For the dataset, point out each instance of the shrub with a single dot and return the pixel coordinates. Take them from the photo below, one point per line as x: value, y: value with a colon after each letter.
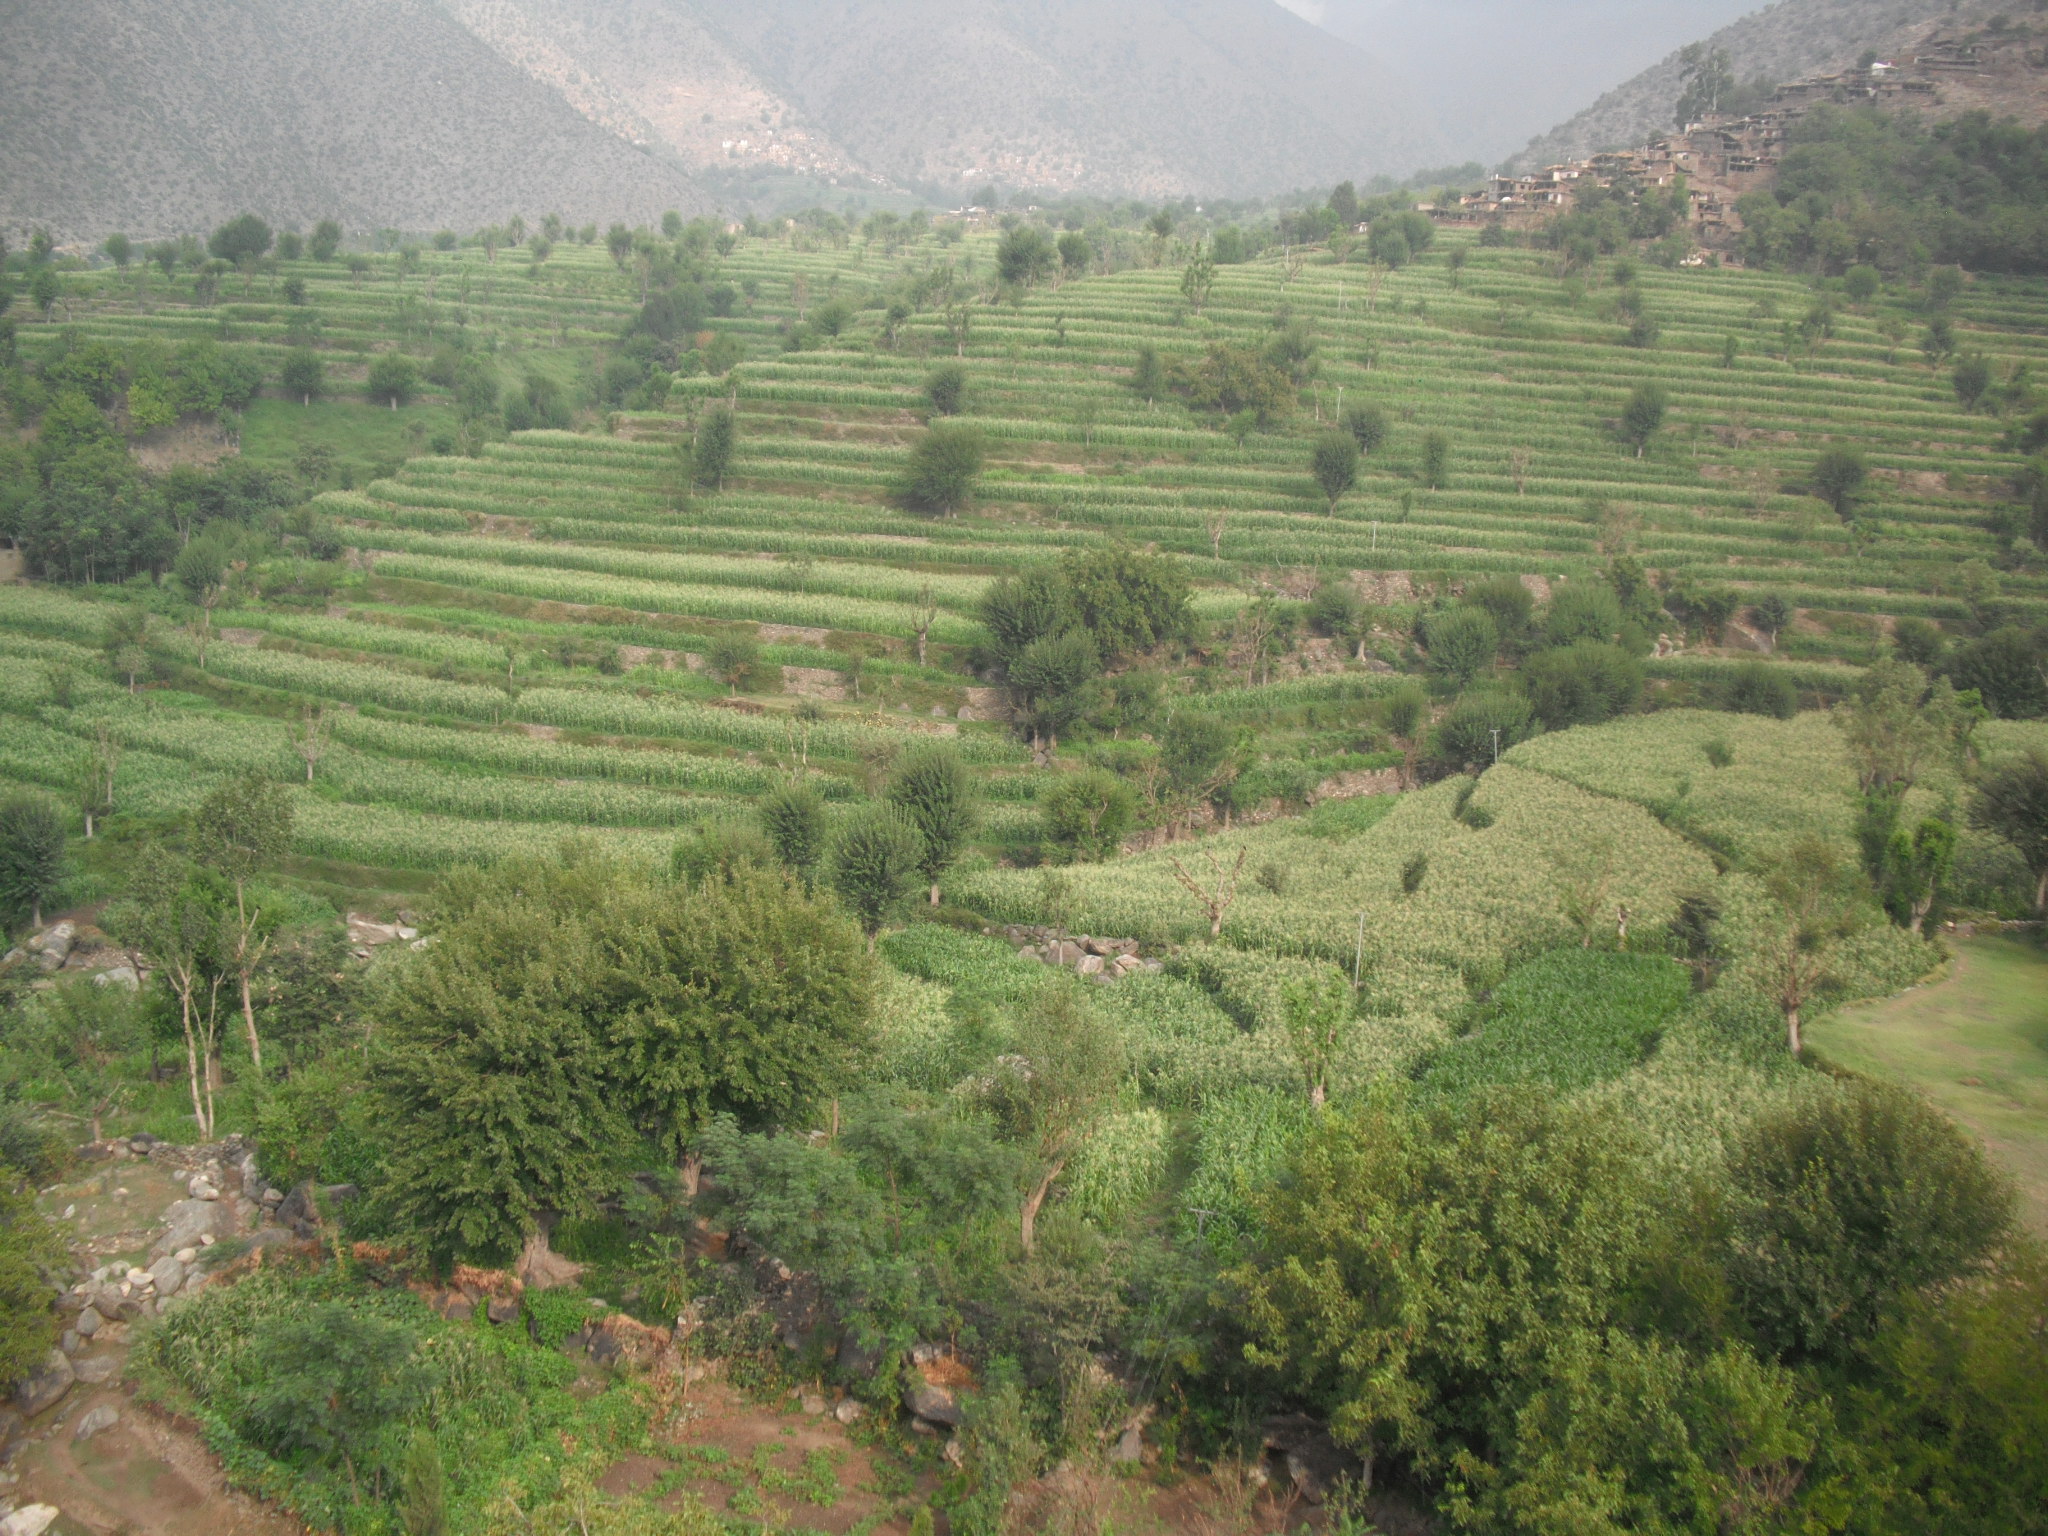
x: 1582, y: 684
x: 1088, y: 814
x: 1582, y: 611
x: 1758, y: 688
x: 1465, y: 736
x: 1462, y: 642
x: 947, y: 389
x: 1848, y: 1198
x: 943, y: 468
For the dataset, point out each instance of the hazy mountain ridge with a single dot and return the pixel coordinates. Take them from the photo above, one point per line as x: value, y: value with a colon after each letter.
x: 1790, y: 39
x: 168, y: 115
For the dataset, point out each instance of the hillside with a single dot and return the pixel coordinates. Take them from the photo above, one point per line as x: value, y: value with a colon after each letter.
x: 173, y: 115
x: 1793, y: 38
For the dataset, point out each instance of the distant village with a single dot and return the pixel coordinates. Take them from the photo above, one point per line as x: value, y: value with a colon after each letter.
x: 1721, y: 158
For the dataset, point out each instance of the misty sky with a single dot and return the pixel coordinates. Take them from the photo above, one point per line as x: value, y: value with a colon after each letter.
x: 1499, y: 72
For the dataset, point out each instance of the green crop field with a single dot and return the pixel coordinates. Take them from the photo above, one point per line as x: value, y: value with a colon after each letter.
x: 526, y: 623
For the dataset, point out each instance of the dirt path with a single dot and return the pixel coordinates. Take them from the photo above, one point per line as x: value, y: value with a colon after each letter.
x: 1976, y: 1043
x: 144, y: 1475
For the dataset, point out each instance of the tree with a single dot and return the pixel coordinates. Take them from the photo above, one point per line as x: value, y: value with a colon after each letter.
x: 1837, y: 477
x: 1334, y: 462
x: 303, y: 374
x: 126, y: 641
x: 1771, y: 613
x: 1462, y: 642
x: 1367, y: 425
x: 619, y: 241
x: 1068, y: 1070
x: 1972, y: 379
x: 1455, y: 259
x: 1049, y: 681
x: 2009, y: 670
x: 1893, y: 721
x: 1216, y: 895
x: 2011, y: 804
x: 943, y: 468
x: 392, y: 379
x: 1848, y: 1196
x: 494, y: 1069
x: 932, y: 789
x: 31, y: 853
x: 1075, y: 253
x: 310, y: 738
x: 1025, y: 255
x: 717, y: 439
x: 946, y: 388
x: 1644, y: 415
x: 1319, y: 1013
x: 731, y: 659
x: 1126, y: 599
x: 1087, y: 814
x: 1436, y: 458
x: 1582, y: 684
x: 1198, y: 279
x: 44, y: 290
x: 1813, y: 903
x: 240, y: 830
x: 97, y: 766
x: 1482, y: 722
x: 1706, y: 75
x: 1758, y: 688
x: 793, y: 819
x: 1148, y: 375
x: 174, y: 920
x: 1918, y: 864
x: 243, y: 238
x: 120, y: 250
x: 875, y: 864
x: 324, y: 241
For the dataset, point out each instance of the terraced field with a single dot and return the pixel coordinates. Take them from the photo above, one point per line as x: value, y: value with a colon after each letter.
x: 516, y: 649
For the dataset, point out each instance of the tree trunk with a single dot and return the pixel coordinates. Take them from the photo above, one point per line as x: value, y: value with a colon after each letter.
x: 35, y: 911
x: 246, y: 962
x: 1792, y: 1029
x: 192, y: 1064
x: 1317, y: 1095
x: 249, y: 1023
x: 1028, y: 1226
x: 2041, y: 894
x: 692, y: 1171
x: 88, y: 826
x: 935, y: 893
x: 540, y: 1268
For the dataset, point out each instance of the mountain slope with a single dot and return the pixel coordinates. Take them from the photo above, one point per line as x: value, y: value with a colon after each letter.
x: 1153, y: 97
x: 158, y: 116
x: 1794, y: 38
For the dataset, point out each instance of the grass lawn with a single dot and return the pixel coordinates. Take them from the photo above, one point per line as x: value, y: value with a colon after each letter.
x: 1977, y: 1044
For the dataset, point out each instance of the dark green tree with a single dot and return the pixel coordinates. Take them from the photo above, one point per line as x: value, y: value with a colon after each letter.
x: 324, y: 241
x: 1087, y: 814
x: 120, y: 250
x: 1025, y: 255
x: 242, y: 238
x: 946, y: 389
x: 793, y: 819
x: 1075, y: 253
x: 1582, y: 684
x: 944, y: 465
x: 1436, y: 459
x: 875, y: 864
x: 717, y: 439
x: 31, y: 853
x: 1127, y: 599
x: 1462, y: 642
x: 303, y: 374
x: 933, y: 790
x: 1972, y: 380
x: 2011, y: 804
x: 392, y: 380
x: 1837, y: 477
x: 1334, y: 462
x: 1643, y: 416
x: 1148, y: 376
x: 1367, y: 424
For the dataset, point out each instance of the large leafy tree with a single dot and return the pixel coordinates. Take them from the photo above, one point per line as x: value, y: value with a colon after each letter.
x: 572, y: 1008
x: 944, y: 466
x: 875, y: 864
x: 2011, y: 803
x: 242, y: 829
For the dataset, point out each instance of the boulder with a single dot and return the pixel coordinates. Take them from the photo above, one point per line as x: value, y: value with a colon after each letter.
x: 11, y: 1429
x: 190, y: 1223
x: 30, y: 1520
x: 1089, y: 965
x: 502, y: 1309
x: 89, y: 1322
x: 97, y: 1371
x: 934, y: 1405
x: 42, y: 1387
x: 122, y: 976
x: 860, y: 1357
x: 813, y: 1405
x: 1315, y: 1462
x: 203, y: 1188
x: 167, y: 1273
x: 849, y: 1410
x: 52, y: 947
x: 102, y: 1417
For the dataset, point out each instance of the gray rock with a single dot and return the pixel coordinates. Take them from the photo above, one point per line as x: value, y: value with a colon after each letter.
x: 1130, y: 1446
x: 14, y: 956
x: 89, y: 1322
x: 42, y: 1387
x: 935, y: 1405
x: 813, y: 1405
x: 142, y: 1141
x: 122, y: 976
x: 502, y: 1309
x: 849, y: 1411
x: 168, y: 1274
x: 11, y: 1429
x: 859, y: 1358
x: 30, y: 1520
x: 1089, y: 965
x: 189, y: 1223
x: 70, y: 1342
x: 102, y: 1417
x: 98, y: 1370
x: 203, y: 1188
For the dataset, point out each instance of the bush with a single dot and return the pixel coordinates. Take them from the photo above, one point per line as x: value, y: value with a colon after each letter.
x: 1088, y: 814
x: 1462, y: 642
x: 1465, y: 736
x: 28, y: 1245
x: 1849, y: 1198
x: 1758, y: 688
x: 1582, y: 684
x: 943, y: 468
x: 947, y: 389
x: 1582, y: 611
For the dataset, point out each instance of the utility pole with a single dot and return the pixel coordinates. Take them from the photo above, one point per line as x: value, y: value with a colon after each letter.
x: 1358, y: 957
x: 1496, y: 746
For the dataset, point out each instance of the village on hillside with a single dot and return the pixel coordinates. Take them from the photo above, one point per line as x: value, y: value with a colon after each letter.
x: 1722, y: 157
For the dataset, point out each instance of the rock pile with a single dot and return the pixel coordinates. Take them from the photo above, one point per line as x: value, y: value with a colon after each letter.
x: 75, y: 948
x: 1084, y: 954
